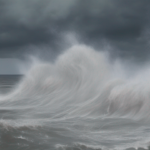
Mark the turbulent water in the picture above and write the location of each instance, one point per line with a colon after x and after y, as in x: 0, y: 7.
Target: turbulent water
x: 82, y: 101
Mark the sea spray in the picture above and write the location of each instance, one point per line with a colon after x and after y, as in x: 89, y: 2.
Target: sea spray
x: 81, y: 101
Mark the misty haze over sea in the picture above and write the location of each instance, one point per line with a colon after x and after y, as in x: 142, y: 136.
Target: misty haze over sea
x: 81, y: 101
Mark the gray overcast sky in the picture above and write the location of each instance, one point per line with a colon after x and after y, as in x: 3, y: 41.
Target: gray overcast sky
x: 9, y: 66
x: 124, y: 24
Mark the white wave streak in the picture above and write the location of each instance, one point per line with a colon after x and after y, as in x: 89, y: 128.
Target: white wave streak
x: 81, y: 98
x: 81, y: 82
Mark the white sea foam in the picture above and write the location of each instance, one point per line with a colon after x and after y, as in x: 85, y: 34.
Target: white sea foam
x: 82, y: 87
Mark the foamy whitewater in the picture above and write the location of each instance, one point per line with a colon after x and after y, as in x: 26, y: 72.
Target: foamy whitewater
x: 82, y: 101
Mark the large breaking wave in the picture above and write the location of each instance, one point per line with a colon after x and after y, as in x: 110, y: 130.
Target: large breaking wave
x: 81, y: 101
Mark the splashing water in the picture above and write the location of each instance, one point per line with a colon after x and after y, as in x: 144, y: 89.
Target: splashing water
x: 80, y: 102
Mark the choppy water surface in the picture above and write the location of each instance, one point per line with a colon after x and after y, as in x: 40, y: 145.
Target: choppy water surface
x: 79, y: 102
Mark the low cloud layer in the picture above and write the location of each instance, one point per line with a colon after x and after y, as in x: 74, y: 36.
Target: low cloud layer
x: 123, y: 23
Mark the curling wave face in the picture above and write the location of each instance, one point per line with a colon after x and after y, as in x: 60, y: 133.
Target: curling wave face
x: 82, y: 101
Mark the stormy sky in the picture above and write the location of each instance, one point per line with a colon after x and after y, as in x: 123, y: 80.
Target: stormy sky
x: 30, y: 25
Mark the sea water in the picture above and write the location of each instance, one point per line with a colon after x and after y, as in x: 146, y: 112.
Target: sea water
x: 82, y: 101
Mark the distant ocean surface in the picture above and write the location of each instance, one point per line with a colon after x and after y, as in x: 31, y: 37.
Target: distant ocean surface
x: 7, y: 82
x: 82, y: 101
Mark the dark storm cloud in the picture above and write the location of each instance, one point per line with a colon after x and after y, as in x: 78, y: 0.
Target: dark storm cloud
x: 35, y: 22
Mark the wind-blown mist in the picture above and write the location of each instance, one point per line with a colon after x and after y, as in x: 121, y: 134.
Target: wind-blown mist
x: 81, y: 101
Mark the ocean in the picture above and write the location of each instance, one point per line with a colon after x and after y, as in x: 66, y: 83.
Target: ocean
x: 82, y: 101
x: 7, y: 82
